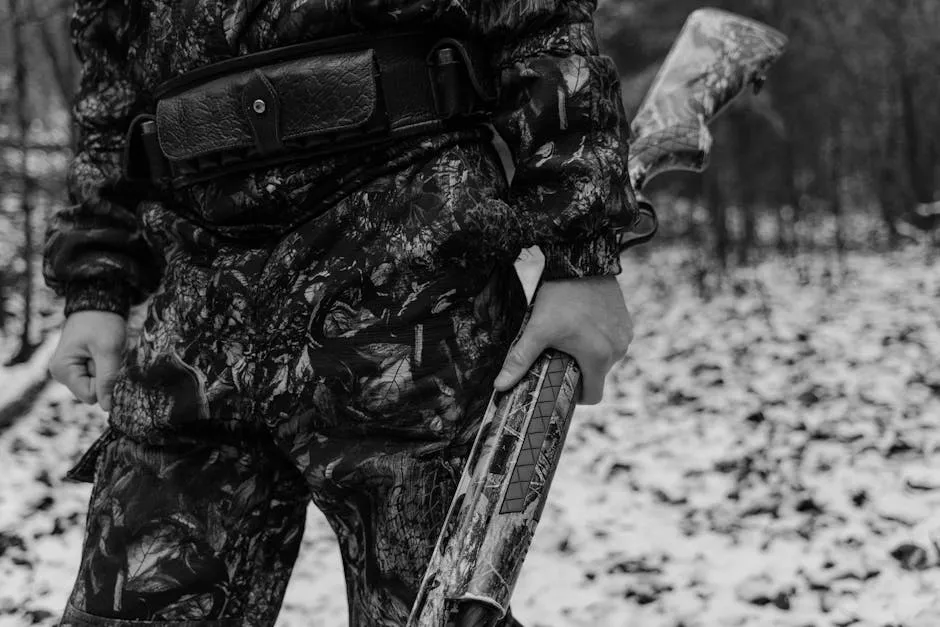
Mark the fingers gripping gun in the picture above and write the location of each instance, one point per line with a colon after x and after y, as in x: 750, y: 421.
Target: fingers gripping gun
x: 504, y: 485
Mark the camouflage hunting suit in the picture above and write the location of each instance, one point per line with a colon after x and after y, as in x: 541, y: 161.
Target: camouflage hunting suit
x: 325, y: 330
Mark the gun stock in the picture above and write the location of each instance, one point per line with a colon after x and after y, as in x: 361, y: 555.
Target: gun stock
x: 505, y: 483
x: 715, y: 58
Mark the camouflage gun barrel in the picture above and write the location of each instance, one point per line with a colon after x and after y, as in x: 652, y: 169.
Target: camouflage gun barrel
x: 505, y: 483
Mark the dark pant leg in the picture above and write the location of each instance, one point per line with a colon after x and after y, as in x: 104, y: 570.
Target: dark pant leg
x: 381, y: 342
x: 386, y: 493
x: 196, y: 517
x: 387, y: 527
x: 187, y: 534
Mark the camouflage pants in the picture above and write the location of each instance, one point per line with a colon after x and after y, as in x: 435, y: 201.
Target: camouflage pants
x: 348, y: 362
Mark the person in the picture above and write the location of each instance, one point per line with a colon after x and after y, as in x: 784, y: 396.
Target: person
x: 327, y: 327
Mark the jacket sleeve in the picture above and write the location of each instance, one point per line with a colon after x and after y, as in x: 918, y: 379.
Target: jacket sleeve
x: 95, y: 253
x: 561, y: 113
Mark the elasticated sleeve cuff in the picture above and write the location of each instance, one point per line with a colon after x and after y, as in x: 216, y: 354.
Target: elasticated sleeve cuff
x: 98, y: 296
x: 584, y: 258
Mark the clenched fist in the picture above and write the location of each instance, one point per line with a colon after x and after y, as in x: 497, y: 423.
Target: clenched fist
x: 585, y: 318
x: 89, y: 355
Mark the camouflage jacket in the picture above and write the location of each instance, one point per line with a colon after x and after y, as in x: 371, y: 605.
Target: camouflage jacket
x: 560, y: 112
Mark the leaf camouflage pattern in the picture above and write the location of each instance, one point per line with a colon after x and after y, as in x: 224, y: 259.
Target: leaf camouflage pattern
x: 325, y: 330
x: 560, y: 113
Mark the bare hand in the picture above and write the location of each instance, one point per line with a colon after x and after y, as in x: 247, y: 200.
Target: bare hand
x: 89, y: 355
x: 586, y: 318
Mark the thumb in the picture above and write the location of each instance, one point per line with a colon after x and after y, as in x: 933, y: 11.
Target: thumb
x: 107, y: 365
x: 520, y: 358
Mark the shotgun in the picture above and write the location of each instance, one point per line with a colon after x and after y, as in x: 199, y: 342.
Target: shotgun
x: 505, y: 482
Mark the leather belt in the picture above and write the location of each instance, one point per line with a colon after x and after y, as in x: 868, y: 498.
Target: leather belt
x: 308, y: 100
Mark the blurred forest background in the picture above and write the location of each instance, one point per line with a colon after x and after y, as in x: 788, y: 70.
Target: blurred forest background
x: 843, y: 134
x: 840, y: 150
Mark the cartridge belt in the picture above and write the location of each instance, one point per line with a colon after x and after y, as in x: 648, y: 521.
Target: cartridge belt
x: 308, y: 100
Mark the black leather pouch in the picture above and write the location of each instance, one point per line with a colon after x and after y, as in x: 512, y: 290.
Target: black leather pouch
x: 271, y: 113
x: 307, y: 100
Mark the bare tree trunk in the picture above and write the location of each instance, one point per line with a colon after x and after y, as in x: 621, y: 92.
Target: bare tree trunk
x: 3, y: 300
x: 745, y: 195
x: 787, y: 243
x: 920, y: 181
x: 890, y: 201
x: 61, y: 68
x: 715, y: 201
x: 782, y: 213
x: 887, y: 163
x: 836, y: 171
x: 748, y: 208
x: 23, y: 121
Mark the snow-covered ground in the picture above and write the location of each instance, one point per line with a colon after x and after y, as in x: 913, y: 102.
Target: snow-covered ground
x: 768, y: 457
